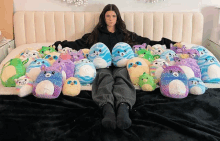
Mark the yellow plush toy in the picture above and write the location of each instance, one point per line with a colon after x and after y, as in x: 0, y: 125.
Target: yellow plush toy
x: 52, y: 57
x: 136, y: 67
x: 85, y: 52
x: 71, y: 87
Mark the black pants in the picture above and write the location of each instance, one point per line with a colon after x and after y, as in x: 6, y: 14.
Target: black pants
x: 113, y: 85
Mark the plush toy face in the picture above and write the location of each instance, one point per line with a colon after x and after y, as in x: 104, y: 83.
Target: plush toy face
x: 202, y: 50
x: 177, y: 48
x: 29, y: 55
x: 156, y: 49
x: 100, y: 55
x: 136, y: 48
x: 168, y: 55
x: 46, y: 50
x: 174, y: 82
x: 196, y: 86
x: 64, y: 50
x: 23, y: 80
x: 85, y: 52
x: 193, y: 53
x: 143, y: 53
x: 24, y: 86
x: 71, y: 87
x: 76, y: 56
x: 52, y: 57
x: 121, y: 53
x: 156, y: 68
x: 146, y: 82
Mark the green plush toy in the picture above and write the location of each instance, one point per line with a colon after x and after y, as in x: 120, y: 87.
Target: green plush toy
x: 12, y: 70
x: 156, y: 57
x: 46, y: 50
x: 143, y: 53
x: 146, y: 82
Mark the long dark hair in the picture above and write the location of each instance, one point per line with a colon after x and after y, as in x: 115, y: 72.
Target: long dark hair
x: 93, y: 38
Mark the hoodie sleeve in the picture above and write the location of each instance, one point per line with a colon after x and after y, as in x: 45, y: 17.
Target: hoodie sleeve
x: 77, y: 44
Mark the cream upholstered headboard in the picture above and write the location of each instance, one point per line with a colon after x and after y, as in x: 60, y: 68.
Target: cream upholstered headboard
x: 41, y: 27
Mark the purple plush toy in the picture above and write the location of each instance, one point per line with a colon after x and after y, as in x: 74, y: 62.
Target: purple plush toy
x: 48, y: 83
x: 190, y: 53
x: 136, y: 48
x: 177, y: 48
x: 174, y: 83
x: 76, y: 56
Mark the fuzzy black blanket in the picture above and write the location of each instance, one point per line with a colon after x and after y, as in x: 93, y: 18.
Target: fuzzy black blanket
x: 154, y: 118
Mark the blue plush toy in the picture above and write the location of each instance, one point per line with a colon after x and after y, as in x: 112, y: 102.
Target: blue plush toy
x: 196, y: 86
x: 100, y: 55
x: 210, y: 69
x: 121, y: 53
x: 168, y: 55
x: 85, y: 71
x: 202, y: 50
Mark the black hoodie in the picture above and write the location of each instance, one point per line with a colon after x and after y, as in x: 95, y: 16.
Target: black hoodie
x: 110, y: 39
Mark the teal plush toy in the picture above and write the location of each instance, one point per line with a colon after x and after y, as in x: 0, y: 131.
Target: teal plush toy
x: 146, y: 82
x: 12, y: 70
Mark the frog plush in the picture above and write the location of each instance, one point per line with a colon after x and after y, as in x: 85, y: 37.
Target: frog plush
x: 146, y: 82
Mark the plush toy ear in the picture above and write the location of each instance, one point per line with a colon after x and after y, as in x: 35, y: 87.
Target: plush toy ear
x: 59, y: 47
x: 144, y: 73
x: 149, y: 48
x: 80, y: 51
x: 164, y: 47
x: 171, y: 45
x: 144, y: 44
x: 164, y: 66
x: 16, y: 80
x: 54, y: 46
x: 25, y: 61
x: 43, y: 67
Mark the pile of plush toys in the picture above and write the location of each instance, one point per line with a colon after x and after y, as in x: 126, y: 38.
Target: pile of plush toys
x: 46, y: 72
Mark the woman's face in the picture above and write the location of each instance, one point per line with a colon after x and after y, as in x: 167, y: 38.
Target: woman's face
x: 110, y: 18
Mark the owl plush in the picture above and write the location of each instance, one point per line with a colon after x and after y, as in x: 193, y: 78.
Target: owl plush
x: 48, y: 83
x: 156, y: 69
x: 85, y: 52
x: 156, y: 49
x: 146, y: 55
x: 136, y: 67
x: 210, y: 69
x: 85, y: 71
x: 168, y: 55
x: 189, y: 66
x: 177, y: 48
x: 146, y: 82
x: 136, y: 48
x: 190, y: 53
x: 24, y: 86
x: 34, y: 69
x: 12, y: 70
x: 52, y: 57
x: 71, y: 87
x: 46, y: 50
x: 100, y: 55
x: 196, y: 86
x: 76, y: 56
x: 121, y: 53
x: 174, y: 83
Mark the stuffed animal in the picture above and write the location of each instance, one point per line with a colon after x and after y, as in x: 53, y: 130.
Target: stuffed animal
x: 196, y: 86
x: 156, y: 69
x: 71, y: 87
x: 12, y: 70
x: 52, y: 57
x: 34, y: 69
x: 136, y: 48
x: 190, y: 53
x: 202, y: 50
x: 177, y: 48
x: 156, y: 49
x: 48, y: 83
x: 168, y: 55
x: 100, y: 55
x: 174, y: 83
x: 46, y: 50
x: 24, y: 86
x: 146, y: 55
x: 146, y: 82
x: 85, y: 71
x: 76, y: 56
x: 121, y: 53
x: 65, y: 49
x: 85, y: 52
x: 210, y: 69
x: 136, y: 67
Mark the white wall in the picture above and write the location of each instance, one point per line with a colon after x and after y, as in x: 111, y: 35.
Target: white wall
x: 204, y: 6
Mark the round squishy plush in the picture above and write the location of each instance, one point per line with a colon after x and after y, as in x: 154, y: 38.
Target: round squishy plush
x: 85, y: 71
x: 85, y: 52
x: 177, y: 48
x: 196, y: 86
x: 156, y: 49
x: 202, y: 50
x: 143, y: 53
x: 136, y: 67
x: 121, y: 53
x: 146, y: 82
x: 12, y: 70
x: 52, y: 57
x: 190, y: 53
x: 174, y: 83
x: 46, y: 50
x: 71, y: 87
x: 24, y: 86
x: 168, y: 55
x: 136, y: 48
x: 100, y: 55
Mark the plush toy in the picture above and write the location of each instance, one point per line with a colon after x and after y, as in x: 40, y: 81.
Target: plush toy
x: 85, y: 71
x: 121, y: 53
x: 100, y: 55
x: 52, y: 57
x: 168, y: 55
x: 146, y: 55
x: 202, y: 50
x: 65, y: 49
x: 12, y: 70
x: 136, y: 67
x: 156, y: 49
x: 48, y: 83
x: 189, y: 66
x: 210, y: 69
x: 190, y: 53
x: 146, y: 82
x: 156, y: 57
x: 24, y: 86
x: 196, y: 86
x: 85, y: 52
x: 136, y: 48
x: 76, y: 56
x: 156, y: 69
x: 174, y: 83
x: 71, y: 87
x: 34, y: 69
x: 46, y: 50
x: 177, y: 48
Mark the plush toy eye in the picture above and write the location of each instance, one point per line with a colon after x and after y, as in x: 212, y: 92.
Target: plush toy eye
x: 188, y: 52
x: 59, y: 61
x: 178, y: 71
x: 142, y: 79
x: 206, y: 59
x: 69, y: 82
x: 118, y: 51
x: 124, y: 50
x: 139, y: 47
x: 197, y: 81
x: 211, y: 60
x: 171, y: 71
x: 170, y: 54
x: 204, y: 50
x: 78, y: 56
x: 130, y: 65
x: 42, y: 52
x: 22, y: 53
x: 49, y: 49
x: 156, y: 63
x: 45, y: 72
x: 75, y: 82
x: 55, y: 57
x: 48, y: 56
x: 100, y: 50
x: 144, y: 52
x: 53, y: 72
x: 192, y: 81
x: 94, y: 51
x: 158, y: 50
x: 35, y: 61
x: 138, y: 63
x: 25, y: 79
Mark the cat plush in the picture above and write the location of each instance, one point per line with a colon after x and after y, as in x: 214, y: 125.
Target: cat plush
x: 146, y: 55
x: 52, y: 57
x: 76, y: 56
x: 100, y: 55
x: 173, y: 83
x: 136, y: 67
x: 85, y: 72
x: 34, y: 69
x: 196, y: 86
x: 12, y: 70
x: 24, y: 86
x: 168, y: 55
x: 71, y: 87
x: 177, y: 48
x: 136, y: 48
x: 146, y: 82
x: 49, y: 83
x: 156, y: 49
x: 210, y: 69
x: 121, y: 53
x: 190, y: 53
x: 46, y: 50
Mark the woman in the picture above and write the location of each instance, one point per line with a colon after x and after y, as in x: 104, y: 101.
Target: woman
x: 112, y: 88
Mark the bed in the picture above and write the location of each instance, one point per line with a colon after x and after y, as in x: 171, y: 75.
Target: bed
x: 154, y: 117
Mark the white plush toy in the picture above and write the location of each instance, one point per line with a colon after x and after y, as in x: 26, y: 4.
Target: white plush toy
x: 24, y: 86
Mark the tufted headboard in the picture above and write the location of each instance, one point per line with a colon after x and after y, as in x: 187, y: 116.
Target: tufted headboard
x: 41, y: 27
